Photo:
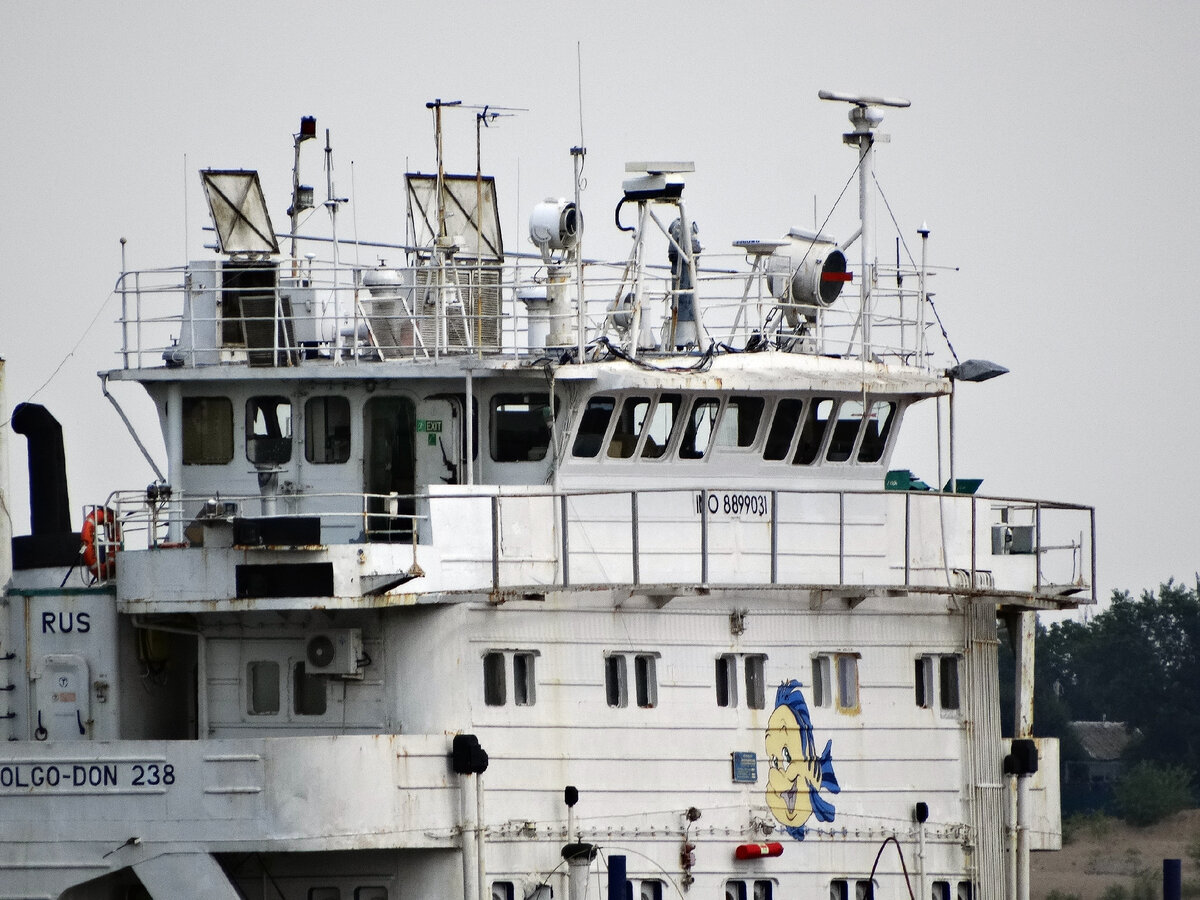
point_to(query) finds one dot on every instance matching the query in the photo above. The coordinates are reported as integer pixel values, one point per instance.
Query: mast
(866, 117)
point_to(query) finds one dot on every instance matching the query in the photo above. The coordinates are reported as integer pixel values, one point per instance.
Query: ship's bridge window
(207, 431)
(268, 430)
(835, 681)
(845, 430)
(739, 423)
(812, 435)
(592, 426)
(698, 432)
(662, 425)
(628, 429)
(783, 426)
(520, 427)
(876, 431)
(495, 677)
(327, 429)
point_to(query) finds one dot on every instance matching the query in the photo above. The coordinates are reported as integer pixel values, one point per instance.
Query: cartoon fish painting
(797, 774)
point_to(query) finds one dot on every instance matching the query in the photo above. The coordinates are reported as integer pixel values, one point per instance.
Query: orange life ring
(100, 556)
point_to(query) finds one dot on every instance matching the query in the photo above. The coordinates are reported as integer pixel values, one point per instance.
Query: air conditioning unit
(334, 652)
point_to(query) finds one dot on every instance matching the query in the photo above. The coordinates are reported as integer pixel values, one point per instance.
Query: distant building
(1088, 782)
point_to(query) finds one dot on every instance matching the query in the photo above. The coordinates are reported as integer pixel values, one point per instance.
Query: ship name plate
(86, 777)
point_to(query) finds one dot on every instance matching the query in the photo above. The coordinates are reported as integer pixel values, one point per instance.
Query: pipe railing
(773, 536)
(325, 312)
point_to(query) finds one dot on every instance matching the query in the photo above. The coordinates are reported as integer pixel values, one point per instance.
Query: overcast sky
(1050, 147)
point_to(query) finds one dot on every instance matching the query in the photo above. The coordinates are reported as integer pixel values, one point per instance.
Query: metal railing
(218, 313)
(489, 538)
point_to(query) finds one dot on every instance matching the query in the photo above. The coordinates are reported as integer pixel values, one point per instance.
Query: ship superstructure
(502, 575)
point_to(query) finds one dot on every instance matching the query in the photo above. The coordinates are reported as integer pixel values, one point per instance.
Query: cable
(903, 867)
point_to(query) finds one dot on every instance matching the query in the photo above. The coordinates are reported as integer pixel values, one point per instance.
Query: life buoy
(101, 540)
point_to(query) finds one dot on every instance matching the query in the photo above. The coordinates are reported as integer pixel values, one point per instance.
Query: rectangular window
(845, 430)
(371, 892)
(309, 692)
(262, 681)
(864, 890)
(739, 423)
(923, 681)
(847, 667)
(646, 679)
(503, 890)
(964, 890)
(941, 890)
(876, 431)
(735, 890)
(822, 684)
(494, 691)
(520, 427)
(727, 680)
(327, 430)
(699, 430)
(651, 889)
(839, 889)
(948, 682)
(812, 435)
(592, 427)
(207, 431)
(268, 430)
(628, 429)
(763, 889)
(615, 684)
(945, 669)
(662, 426)
(756, 685)
(783, 426)
(523, 681)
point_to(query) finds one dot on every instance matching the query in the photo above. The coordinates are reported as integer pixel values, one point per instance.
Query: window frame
(196, 418)
(496, 664)
(335, 447)
(265, 449)
(828, 685)
(252, 667)
(529, 399)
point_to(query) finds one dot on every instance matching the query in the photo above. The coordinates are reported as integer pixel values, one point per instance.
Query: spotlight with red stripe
(758, 851)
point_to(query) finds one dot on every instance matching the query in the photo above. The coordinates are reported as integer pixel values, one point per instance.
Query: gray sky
(1050, 147)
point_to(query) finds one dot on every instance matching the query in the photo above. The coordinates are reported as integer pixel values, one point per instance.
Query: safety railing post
(1037, 545)
(907, 539)
(565, 552)
(1093, 553)
(973, 542)
(633, 525)
(774, 537)
(841, 537)
(495, 542)
(704, 537)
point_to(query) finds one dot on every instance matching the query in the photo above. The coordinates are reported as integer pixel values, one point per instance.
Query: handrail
(772, 535)
(471, 308)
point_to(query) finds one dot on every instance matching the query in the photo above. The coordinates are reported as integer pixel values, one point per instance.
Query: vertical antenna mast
(866, 117)
(578, 156)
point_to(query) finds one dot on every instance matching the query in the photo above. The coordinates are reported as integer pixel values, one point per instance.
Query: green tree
(1136, 662)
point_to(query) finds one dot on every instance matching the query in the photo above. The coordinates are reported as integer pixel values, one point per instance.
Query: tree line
(1138, 663)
